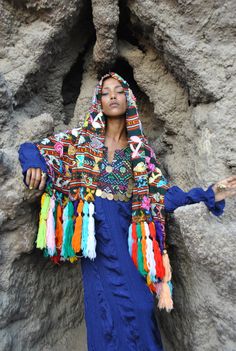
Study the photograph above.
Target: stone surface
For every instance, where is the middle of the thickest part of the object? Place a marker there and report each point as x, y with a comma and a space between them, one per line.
179, 57
106, 19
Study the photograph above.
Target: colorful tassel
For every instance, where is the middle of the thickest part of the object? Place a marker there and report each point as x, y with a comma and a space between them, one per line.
144, 247
160, 270
41, 237
159, 235
84, 239
165, 299
50, 235
140, 254
56, 259
134, 244
59, 227
76, 240
167, 266
130, 240
150, 254
68, 229
91, 243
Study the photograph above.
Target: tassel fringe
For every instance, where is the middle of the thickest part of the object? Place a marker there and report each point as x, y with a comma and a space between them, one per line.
42, 231
63, 232
50, 235
68, 229
76, 240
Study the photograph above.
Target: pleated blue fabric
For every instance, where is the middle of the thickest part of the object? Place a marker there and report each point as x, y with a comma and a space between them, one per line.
119, 307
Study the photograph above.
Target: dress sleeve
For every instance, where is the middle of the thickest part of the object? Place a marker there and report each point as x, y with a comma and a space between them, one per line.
30, 157
176, 197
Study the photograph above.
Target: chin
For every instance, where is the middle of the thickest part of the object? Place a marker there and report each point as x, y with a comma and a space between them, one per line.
114, 114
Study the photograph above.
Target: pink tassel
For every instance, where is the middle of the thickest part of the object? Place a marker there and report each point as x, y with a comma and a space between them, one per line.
50, 235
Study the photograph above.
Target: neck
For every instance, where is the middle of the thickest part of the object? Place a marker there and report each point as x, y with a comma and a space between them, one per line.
116, 129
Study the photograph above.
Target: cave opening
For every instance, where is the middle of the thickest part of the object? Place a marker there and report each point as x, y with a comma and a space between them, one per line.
71, 84
71, 87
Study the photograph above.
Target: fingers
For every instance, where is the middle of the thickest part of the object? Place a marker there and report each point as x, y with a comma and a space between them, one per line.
225, 194
33, 177
28, 176
232, 183
231, 179
228, 181
230, 193
37, 179
43, 182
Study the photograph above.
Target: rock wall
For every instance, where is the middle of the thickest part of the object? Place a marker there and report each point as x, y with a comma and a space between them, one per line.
179, 57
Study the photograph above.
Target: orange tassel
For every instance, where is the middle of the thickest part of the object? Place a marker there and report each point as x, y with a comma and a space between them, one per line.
76, 239
160, 269
59, 227
144, 247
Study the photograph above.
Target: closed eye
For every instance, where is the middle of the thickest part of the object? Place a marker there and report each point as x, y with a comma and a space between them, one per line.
119, 92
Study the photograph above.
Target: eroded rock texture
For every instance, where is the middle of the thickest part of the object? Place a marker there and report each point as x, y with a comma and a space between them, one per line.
179, 57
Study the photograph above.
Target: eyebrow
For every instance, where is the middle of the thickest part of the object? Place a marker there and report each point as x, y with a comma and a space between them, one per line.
117, 86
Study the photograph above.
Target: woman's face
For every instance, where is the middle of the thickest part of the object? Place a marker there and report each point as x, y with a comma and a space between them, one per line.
113, 98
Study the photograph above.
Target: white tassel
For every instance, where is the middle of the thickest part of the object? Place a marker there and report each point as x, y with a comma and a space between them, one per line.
91, 243
130, 239
149, 252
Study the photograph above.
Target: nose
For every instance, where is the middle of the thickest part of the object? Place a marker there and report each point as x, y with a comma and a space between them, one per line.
113, 95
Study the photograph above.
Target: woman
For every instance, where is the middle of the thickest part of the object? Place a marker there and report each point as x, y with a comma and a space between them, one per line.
104, 179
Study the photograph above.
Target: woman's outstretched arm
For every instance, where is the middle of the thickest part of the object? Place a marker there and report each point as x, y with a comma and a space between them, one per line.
214, 197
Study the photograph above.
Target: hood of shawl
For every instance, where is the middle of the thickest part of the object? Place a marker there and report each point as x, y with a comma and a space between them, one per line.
95, 122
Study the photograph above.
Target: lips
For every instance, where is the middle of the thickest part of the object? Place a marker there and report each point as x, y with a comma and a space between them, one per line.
114, 104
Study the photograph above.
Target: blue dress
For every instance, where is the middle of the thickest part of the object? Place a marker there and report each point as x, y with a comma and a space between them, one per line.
119, 307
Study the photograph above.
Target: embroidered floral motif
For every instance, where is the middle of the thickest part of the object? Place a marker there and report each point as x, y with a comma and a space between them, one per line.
142, 181
151, 167
59, 148
146, 203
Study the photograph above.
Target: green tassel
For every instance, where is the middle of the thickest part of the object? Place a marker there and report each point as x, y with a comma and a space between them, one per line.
41, 237
68, 229
140, 254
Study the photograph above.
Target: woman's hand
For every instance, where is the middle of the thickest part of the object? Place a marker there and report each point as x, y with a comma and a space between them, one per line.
35, 178
225, 188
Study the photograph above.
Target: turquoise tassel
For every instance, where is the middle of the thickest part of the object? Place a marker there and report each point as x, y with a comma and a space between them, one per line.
68, 230
85, 224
